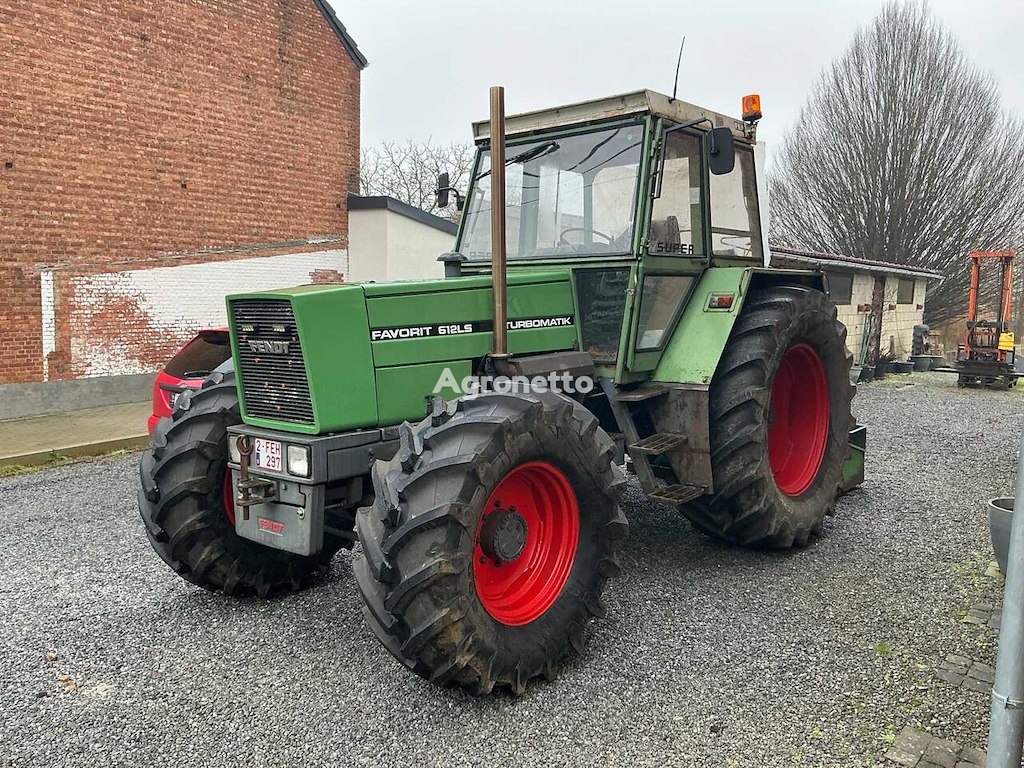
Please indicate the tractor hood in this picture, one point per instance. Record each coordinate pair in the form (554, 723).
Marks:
(326, 358)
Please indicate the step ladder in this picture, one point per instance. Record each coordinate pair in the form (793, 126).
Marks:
(642, 449)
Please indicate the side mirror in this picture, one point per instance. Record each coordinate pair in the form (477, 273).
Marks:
(443, 188)
(721, 151)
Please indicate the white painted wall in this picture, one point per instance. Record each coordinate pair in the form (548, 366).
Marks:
(897, 324)
(48, 313)
(173, 302)
(385, 246)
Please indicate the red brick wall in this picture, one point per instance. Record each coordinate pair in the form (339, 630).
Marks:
(150, 131)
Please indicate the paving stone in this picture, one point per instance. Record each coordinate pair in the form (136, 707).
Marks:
(983, 672)
(971, 618)
(960, 661)
(973, 756)
(976, 685)
(941, 752)
(902, 758)
(908, 747)
(983, 606)
(996, 620)
(949, 676)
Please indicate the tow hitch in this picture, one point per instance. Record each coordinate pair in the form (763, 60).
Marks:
(251, 490)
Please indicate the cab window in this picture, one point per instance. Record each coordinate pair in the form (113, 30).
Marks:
(735, 219)
(676, 219)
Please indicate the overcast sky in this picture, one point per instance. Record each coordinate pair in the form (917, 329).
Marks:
(431, 62)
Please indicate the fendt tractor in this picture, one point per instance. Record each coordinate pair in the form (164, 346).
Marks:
(610, 254)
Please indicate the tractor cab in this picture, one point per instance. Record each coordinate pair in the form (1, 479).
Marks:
(636, 195)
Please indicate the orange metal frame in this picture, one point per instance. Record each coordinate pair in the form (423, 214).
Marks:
(1005, 306)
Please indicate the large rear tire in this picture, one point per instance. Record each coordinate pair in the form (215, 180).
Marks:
(185, 500)
(490, 539)
(780, 421)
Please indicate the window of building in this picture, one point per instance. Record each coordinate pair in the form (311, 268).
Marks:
(840, 287)
(905, 291)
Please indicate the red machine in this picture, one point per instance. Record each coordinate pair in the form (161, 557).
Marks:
(986, 358)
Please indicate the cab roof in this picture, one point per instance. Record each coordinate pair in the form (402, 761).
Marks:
(636, 103)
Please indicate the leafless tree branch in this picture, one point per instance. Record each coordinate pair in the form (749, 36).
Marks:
(408, 171)
(904, 153)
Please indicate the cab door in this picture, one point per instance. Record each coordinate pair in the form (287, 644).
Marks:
(673, 253)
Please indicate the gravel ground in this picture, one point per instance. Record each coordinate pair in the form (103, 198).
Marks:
(710, 655)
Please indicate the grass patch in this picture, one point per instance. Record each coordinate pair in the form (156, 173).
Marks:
(53, 460)
(13, 470)
(883, 649)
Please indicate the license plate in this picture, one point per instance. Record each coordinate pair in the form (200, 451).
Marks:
(266, 454)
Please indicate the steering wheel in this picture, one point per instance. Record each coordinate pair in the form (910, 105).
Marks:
(563, 241)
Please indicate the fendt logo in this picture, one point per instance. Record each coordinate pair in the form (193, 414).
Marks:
(269, 346)
(270, 526)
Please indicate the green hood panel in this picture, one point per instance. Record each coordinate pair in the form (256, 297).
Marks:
(373, 352)
(331, 323)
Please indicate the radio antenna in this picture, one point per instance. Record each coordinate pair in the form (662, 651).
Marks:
(675, 86)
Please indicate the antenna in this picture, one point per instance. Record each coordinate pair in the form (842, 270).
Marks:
(675, 86)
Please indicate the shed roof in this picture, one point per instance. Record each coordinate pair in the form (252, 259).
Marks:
(385, 203)
(836, 260)
(342, 33)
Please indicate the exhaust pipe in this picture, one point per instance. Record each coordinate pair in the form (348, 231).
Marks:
(498, 267)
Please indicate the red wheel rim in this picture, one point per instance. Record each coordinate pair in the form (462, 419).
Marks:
(521, 589)
(799, 429)
(229, 497)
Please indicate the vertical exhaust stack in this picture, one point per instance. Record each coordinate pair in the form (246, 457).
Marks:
(498, 268)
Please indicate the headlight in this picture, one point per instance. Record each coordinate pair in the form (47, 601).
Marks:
(298, 460)
(233, 455)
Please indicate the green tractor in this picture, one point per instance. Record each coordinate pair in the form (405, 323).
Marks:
(607, 303)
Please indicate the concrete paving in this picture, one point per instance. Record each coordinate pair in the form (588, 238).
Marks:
(88, 432)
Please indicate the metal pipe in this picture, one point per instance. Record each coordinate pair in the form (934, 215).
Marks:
(1006, 733)
(498, 268)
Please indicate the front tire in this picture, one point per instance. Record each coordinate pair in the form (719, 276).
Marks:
(186, 503)
(780, 421)
(490, 539)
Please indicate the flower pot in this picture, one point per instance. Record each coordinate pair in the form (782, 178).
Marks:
(867, 373)
(903, 366)
(1000, 517)
(922, 363)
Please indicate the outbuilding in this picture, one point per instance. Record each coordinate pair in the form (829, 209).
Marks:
(879, 302)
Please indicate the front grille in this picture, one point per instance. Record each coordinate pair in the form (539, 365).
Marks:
(270, 361)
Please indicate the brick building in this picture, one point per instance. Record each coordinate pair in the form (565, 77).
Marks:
(156, 155)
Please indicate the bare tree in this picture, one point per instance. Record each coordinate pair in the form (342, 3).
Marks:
(903, 153)
(408, 171)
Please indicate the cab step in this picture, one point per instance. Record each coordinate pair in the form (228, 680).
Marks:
(661, 442)
(675, 495)
(640, 394)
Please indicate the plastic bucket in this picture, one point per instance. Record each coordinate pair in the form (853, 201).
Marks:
(922, 363)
